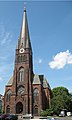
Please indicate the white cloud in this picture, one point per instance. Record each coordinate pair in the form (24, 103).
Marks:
(5, 36)
(0, 78)
(60, 60)
(40, 61)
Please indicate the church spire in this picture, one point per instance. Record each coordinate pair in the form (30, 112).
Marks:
(24, 39)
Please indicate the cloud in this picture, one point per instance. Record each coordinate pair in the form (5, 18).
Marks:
(5, 36)
(60, 60)
(0, 78)
(40, 61)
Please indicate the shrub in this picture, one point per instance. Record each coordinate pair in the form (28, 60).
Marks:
(47, 112)
(43, 113)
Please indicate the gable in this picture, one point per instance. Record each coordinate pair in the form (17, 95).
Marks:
(10, 81)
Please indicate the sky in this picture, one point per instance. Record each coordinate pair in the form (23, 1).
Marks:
(50, 29)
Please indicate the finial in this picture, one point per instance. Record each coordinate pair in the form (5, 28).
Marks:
(24, 6)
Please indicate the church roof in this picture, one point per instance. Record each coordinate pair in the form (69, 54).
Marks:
(36, 79)
(40, 79)
(24, 39)
(46, 84)
(10, 81)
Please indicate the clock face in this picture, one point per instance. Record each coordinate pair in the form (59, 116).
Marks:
(22, 50)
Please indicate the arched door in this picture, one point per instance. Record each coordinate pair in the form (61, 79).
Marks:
(36, 111)
(19, 108)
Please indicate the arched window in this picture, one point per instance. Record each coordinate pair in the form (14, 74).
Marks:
(8, 109)
(35, 93)
(21, 74)
(8, 95)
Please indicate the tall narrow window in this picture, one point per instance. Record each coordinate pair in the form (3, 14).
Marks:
(21, 74)
(8, 95)
(35, 93)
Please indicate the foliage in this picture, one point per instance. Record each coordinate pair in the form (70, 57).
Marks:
(47, 112)
(60, 91)
(43, 113)
(61, 99)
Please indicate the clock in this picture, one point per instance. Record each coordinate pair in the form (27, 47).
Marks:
(22, 50)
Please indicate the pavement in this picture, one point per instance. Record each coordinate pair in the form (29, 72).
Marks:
(65, 118)
(37, 118)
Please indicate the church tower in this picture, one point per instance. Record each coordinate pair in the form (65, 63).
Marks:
(23, 70)
(21, 93)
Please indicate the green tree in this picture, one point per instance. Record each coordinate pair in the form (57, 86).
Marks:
(61, 99)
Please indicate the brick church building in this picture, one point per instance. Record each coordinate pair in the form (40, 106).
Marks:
(26, 92)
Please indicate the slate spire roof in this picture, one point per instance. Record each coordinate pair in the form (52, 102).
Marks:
(24, 39)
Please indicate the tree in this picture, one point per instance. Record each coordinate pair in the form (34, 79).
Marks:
(61, 99)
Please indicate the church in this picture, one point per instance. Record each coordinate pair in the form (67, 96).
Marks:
(26, 92)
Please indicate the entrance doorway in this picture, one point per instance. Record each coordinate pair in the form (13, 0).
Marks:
(36, 111)
(19, 108)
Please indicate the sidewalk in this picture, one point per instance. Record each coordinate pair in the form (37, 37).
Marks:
(34, 118)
